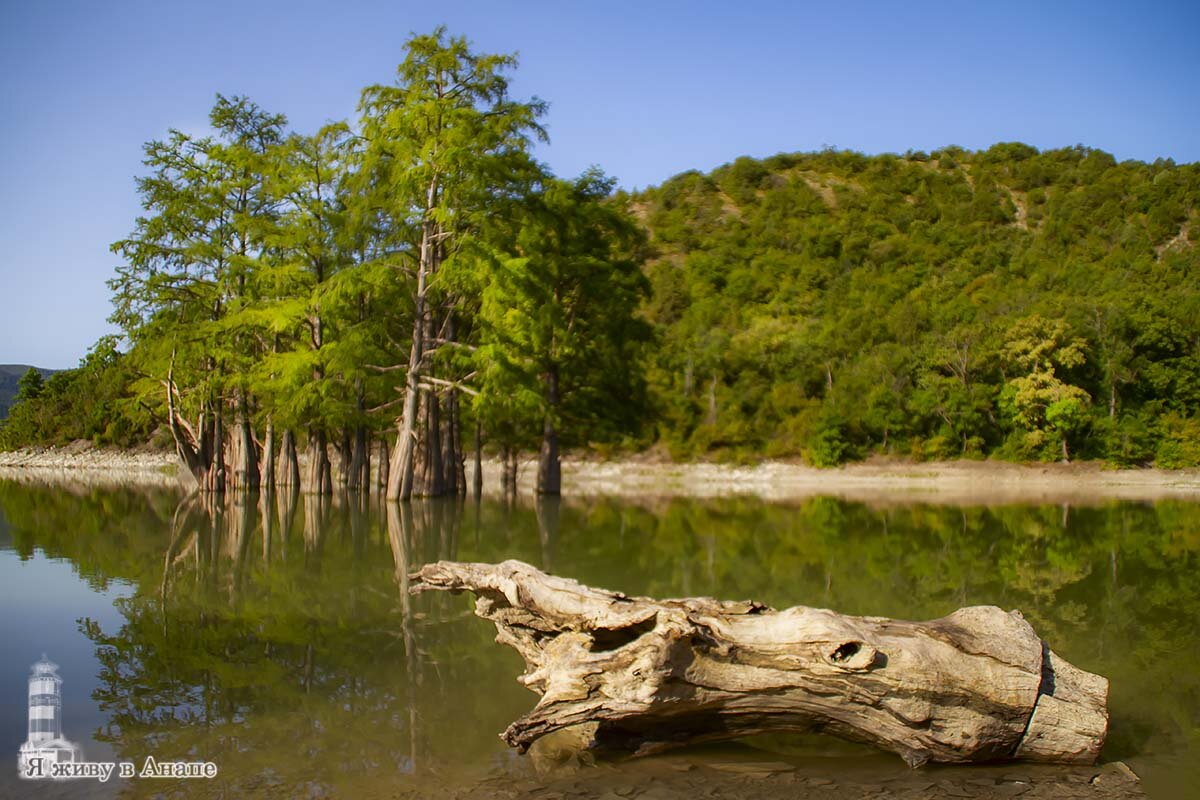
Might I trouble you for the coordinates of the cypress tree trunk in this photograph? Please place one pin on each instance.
(478, 480)
(385, 461)
(549, 464)
(453, 462)
(360, 461)
(289, 464)
(319, 479)
(214, 478)
(345, 455)
(245, 462)
(268, 462)
(431, 468)
(400, 481)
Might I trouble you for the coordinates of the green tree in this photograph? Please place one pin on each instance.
(30, 386)
(440, 144)
(559, 319)
(1042, 403)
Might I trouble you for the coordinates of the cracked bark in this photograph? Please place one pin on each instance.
(645, 674)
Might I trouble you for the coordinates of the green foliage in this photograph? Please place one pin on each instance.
(29, 386)
(94, 402)
(829, 305)
(559, 335)
(1179, 447)
(1008, 302)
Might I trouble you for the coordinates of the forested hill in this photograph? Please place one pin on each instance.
(1003, 302)
(826, 306)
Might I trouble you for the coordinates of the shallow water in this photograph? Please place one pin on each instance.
(277, 640)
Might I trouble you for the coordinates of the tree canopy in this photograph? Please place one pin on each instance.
(392, 284)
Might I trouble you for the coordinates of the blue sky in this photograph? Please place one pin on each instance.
(644, 90)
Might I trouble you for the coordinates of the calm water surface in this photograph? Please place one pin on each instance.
(276, 639)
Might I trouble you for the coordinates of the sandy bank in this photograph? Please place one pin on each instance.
(960, 482)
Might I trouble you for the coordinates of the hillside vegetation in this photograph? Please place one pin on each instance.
(10, 376)
(1010, 302)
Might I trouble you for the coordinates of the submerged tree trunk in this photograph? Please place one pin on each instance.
(644, 674)
(319, 478)
(344, 454)
(428, 481)
(268, 460)
(478, 477)
(360, 461)
(549, 466)
(385, 462)
(245, 449)
(400, 481)
(289, 462)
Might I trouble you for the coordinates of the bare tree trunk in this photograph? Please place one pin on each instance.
(344, 455)
(451, 457)
(549, 480)
(645, 674)
(215, 477)
(385, 462)
(289, 464)
(429, 451)
(319, 479)
(401, 478)
(245, 462)
(360, 461)
(478, 478)
(268, 462)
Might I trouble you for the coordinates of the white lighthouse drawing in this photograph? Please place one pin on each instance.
(45, 738)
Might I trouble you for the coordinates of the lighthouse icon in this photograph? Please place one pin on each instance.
(45, 740)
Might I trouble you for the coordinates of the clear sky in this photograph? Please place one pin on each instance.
(644, 90)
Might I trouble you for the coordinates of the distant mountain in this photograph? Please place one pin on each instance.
(9, 375)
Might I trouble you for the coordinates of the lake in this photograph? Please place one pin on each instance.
(274, 637)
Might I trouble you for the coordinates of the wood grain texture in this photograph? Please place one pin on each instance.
(645, 674)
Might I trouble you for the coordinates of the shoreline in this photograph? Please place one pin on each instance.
(877, 480)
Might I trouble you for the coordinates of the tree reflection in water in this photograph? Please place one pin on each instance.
(275, 634)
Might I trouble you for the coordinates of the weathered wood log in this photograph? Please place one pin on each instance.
(645, 674)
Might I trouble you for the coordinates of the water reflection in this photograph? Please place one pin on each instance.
(275, 635)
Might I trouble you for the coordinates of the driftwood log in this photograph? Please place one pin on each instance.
(645, 674)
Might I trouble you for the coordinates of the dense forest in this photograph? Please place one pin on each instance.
(414, 286)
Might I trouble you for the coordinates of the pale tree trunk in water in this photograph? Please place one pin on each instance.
(360, 461)
(431, 461)
(319, 479)
(384, 459)
(268, 462)
(549, 479)
(215, 477)
(344, 454)
(452, 479)
(642, 675)
(289, 462)
(478, 478)
(400, 479)
(245, 466)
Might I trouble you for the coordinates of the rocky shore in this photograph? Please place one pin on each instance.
(877, 480)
